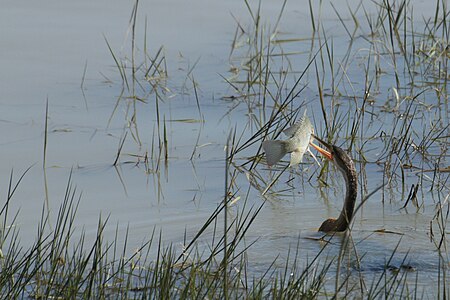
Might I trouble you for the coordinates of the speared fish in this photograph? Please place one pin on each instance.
(297, 144)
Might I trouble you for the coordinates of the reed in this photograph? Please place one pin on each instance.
(397, 98)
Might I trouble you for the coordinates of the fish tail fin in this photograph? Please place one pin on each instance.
(275, 150)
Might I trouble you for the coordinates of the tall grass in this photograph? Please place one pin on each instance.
(61, 265)
(399, 101)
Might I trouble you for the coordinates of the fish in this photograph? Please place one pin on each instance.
(299, 136)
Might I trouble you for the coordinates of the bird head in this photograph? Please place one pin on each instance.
(334, 153)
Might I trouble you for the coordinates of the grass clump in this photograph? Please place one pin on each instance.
(61, 266)
(389, 105)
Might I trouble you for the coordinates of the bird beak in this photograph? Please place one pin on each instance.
(324, 152)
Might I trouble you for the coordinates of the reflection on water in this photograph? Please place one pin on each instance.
(170, 172)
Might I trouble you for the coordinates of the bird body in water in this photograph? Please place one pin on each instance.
(345, 164)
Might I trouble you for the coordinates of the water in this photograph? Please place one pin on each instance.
(48, 48)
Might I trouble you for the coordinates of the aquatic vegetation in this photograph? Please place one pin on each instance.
(374, 79)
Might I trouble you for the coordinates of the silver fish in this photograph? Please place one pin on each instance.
(297, 144)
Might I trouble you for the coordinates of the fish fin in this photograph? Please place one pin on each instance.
(275, 150)
(290, 132)
(296, 158)
(313, 156)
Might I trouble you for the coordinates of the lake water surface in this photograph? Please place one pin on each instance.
(58, 53)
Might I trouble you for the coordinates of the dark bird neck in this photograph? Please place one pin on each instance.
(347, 167)
(351, 182)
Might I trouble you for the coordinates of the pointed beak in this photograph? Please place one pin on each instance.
(324, 152)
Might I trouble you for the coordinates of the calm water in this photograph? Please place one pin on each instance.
(48, 46)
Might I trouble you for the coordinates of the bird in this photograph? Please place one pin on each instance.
(345, 164)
